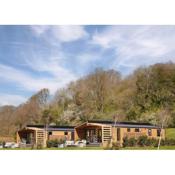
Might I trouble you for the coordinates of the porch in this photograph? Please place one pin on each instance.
(31, 137)
(94, 133)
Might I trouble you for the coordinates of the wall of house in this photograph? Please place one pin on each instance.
(60, 135)
(142, 131)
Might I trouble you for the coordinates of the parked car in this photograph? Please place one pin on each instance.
(1, 145)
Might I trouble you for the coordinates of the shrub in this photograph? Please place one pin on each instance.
(39, 146)
(125, 142)
(152, 142)
(108, 145)
(132, 141)
(55, 143)
(129, 141)
(145, 141)
(115, 146)
(52, 143)
(142, 141)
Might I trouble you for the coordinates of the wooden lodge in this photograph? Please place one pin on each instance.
(34, 135)
(97, 133)
(106, 132)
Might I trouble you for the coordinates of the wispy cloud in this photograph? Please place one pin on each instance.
(137, 45)
(45, 56)
(26, 81)
(61, 33)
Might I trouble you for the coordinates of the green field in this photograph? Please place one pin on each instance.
(97, 148)
(170, 133)
(150, 148)
(66, 148)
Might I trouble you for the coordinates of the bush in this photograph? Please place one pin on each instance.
(132, 142)
(129, 142)
(142, 141)
(115, 146)
(54, 143)
(125, 142)
(152, 142)
(39, 146)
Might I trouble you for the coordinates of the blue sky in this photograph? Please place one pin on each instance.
(36, 57)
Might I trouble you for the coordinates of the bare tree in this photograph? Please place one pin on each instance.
(163, 117)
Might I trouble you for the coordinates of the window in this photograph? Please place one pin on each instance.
(149, 132)
(65, 133)
(137, 130)
(50, 132)
(158, 132)
(72, 135)
(118, 134)
(128, 129)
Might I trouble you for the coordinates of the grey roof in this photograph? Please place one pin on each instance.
(124, 124)
(53, 128)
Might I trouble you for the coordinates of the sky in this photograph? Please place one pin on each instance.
(36, 57)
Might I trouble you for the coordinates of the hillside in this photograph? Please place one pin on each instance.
(147, 95)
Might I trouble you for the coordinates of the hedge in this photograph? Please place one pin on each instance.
(145, 141)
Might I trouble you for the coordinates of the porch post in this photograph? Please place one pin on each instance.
(75, 135)
(17, 137)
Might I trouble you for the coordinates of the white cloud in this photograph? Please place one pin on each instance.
(69, 33)
(138, 45)
(26, 82)
(11, 99)
(61, 33)
(39, 29)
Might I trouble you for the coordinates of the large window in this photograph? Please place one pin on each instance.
(137, 130)
(149, 132)
(118, 134)
(158, 132)
(65, 133)
(50, 132)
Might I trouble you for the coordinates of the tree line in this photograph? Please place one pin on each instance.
(146, 95)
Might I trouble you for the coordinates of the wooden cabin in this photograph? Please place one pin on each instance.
(34, 135)
(106, 132)
(97, 133)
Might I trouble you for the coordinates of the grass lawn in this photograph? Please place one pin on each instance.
(76, 148)
(150, 148)
(97, 148)
(170, 133)
(66, 148)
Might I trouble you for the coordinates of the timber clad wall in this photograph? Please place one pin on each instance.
(106, 133)
(60, 135)
(94, 132)
(132, 133)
